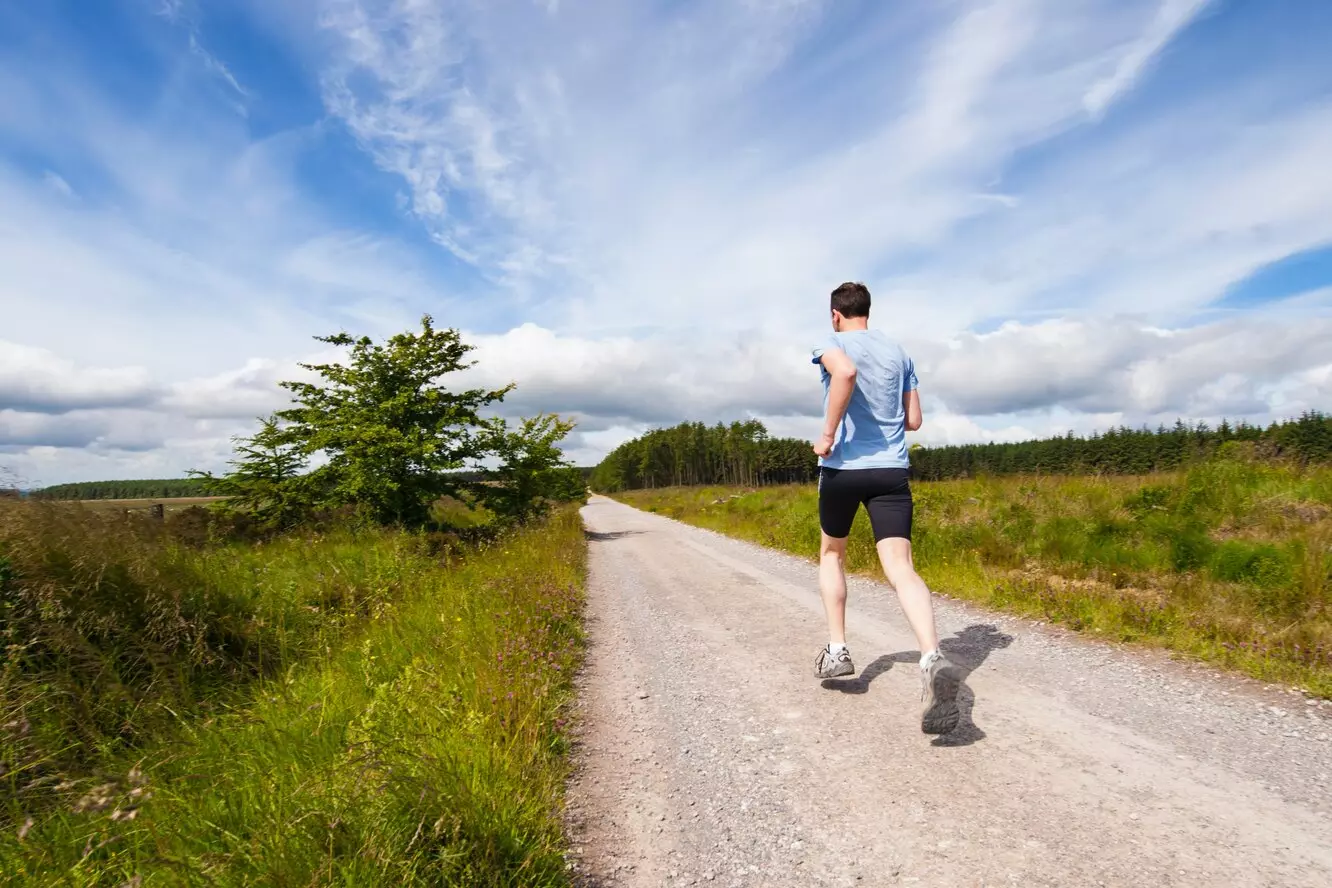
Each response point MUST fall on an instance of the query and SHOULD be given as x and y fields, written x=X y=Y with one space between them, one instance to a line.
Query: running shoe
x=939 y=680
x=830 y=665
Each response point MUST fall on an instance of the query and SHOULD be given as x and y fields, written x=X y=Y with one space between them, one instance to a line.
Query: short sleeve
x=909 y=381
x=830 y=342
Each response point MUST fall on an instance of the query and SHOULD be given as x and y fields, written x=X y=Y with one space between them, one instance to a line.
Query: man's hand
x=824 y=445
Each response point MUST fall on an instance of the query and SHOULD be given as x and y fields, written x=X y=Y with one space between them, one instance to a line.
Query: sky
x=1074 y=214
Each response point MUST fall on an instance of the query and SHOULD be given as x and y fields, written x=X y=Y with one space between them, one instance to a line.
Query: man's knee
x=832 y=547
x=895 y=553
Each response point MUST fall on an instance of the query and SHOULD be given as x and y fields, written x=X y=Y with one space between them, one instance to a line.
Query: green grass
x=1229 y=562
x=333 y=709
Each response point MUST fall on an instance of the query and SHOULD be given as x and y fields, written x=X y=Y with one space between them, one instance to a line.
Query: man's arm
x=911 y=405
x=843 y=382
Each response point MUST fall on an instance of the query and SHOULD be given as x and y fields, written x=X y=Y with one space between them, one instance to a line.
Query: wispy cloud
x=215 y=65
x=1172 y=16
x=57 y=182
x=639 y=166
x=185 y=15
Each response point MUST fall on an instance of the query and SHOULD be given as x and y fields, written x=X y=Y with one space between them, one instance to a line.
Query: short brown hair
x=852 y=300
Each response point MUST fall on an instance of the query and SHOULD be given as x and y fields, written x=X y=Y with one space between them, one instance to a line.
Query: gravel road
x=709 y=754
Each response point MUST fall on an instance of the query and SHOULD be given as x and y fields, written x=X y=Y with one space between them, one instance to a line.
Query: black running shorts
x=885 y=493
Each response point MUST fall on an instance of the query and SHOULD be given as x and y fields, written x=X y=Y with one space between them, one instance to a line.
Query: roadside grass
x=341 y=708
x=1229 y=562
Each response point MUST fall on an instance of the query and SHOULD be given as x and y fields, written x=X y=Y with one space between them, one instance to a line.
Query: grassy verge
x=339 y=709
x=1230 y=561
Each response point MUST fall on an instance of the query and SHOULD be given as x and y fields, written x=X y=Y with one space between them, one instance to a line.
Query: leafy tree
x=389 y=439
x=533 y=473
x=390 y=433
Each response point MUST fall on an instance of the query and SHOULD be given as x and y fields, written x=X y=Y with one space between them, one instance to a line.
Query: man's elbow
x=914 y=423
x=846 y=374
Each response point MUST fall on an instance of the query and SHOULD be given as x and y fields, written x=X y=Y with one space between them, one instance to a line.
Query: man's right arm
x=911 y=406
x=911 y=397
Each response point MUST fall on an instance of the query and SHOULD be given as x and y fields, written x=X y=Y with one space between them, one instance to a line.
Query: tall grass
x=336 y=709
x=1229 y=561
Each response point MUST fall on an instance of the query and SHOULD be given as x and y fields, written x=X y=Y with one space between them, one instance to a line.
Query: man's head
x=850 y=306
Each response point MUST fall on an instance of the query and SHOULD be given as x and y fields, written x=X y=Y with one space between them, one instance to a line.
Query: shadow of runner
x=969 y=649
x=599 y=537
x=860 y=683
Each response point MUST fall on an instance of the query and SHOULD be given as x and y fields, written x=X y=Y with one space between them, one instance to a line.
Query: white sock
x=836 y=647
x=926 y=657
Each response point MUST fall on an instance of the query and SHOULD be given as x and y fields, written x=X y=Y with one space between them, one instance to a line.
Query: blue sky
x=1074 y=213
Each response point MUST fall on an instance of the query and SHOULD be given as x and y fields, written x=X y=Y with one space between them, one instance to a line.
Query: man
x=870 y=403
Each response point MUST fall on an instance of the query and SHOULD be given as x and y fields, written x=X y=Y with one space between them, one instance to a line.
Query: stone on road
x=709 y=753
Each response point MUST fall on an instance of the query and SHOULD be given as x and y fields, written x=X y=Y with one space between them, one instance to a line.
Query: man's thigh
x=839 y=501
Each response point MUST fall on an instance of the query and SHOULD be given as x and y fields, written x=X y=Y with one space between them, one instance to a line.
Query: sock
x=926 y=657
x=836 y=647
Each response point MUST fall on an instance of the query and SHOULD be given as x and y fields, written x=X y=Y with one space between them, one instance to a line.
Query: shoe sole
x=941 y=714
x=838 y=671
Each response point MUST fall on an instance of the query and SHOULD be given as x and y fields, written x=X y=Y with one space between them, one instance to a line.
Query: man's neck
x=850 y=325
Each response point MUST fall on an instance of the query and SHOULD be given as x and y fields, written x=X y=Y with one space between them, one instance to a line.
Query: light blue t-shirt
x=873 y=432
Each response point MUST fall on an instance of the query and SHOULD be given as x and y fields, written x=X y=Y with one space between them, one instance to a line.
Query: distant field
x=1230 y=561
x=171 y=504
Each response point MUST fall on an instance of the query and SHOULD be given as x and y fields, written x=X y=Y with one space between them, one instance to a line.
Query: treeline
x=694 y=453
x=1125 y=451
x=743 y=454
x=161 y=488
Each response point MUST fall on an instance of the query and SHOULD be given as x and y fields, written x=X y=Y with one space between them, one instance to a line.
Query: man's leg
x=890 y=515
x=912 y=593
x=939 y=678
x=832 y=585
x=837 y=512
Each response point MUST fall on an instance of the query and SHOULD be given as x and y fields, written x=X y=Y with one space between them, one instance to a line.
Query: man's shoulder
x=886 y=341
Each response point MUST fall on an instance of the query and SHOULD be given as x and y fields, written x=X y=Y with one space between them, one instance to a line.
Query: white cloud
x=1020 y=381
x=39 y=381
x=215 y=65
x=185 y=16
x=1121 y=366
x=58 y=183
x=1172 y=16
x=623 y=170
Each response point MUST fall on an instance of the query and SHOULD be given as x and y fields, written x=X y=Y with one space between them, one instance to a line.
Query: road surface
x=710 y=754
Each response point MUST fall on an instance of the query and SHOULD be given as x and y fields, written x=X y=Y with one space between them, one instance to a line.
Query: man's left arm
x=842 y=372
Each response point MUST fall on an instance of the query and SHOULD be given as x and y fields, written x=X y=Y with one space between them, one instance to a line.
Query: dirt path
x=711 y=754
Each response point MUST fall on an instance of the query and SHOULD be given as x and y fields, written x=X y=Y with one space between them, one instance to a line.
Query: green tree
x=533 y=473
x=390 y=433
x=266 y=479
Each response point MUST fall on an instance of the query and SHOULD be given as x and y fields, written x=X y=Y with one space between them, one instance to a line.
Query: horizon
x=1074 y=216
x=1162 y=428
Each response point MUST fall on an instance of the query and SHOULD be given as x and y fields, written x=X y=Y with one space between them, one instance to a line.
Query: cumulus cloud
x=36 y=380
x=1119 y=365
x=120 y=430
x=1019 y=381
x=246 y=393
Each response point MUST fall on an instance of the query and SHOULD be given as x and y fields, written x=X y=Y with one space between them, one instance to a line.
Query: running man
x=870 y=403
